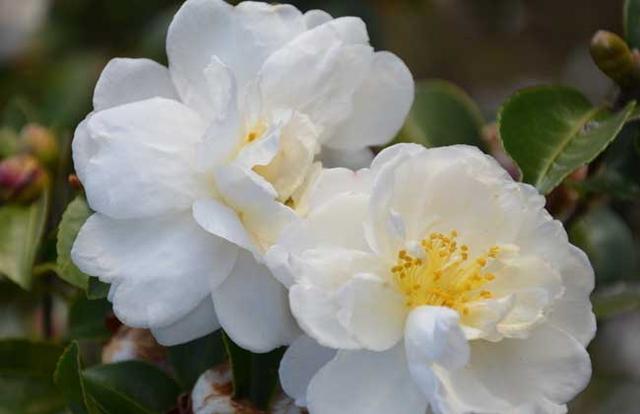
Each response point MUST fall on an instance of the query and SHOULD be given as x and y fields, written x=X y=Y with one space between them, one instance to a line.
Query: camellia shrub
x=281 y=219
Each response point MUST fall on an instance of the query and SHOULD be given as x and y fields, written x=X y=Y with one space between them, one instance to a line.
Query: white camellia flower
x=433 y=279
x=192 y=170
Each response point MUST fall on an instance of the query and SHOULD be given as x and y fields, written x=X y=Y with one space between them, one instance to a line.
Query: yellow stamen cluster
x=443 y=275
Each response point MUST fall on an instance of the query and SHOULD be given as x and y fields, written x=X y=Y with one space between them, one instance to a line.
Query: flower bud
x=613 y=56
x=40 y=142
x=133 y=344
x=22 y=179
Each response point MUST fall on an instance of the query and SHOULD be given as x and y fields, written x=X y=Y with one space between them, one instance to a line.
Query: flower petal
x=199 y=322
x=220 y=220
x=241 y=37
x=300 y=362
x=139 y=159
x=316 y=312
x=533 y=375
x=433 y=336
x=314 y=18
x=130 y=80
x=318 y=72
x=252 y=307
x=380 y=104
x=160 y=268
x=255 y=201
x=365 y=382
x=373 y=311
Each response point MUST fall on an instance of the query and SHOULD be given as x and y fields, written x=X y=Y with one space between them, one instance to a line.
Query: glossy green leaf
x=75 y=215
x=21 y=230
x=131 y=387
x=255 y=376
x=608 y=242
x=190 y=360
x=87 y=318
x=443 y=114
x=26 y=377
x=68 y=378
x=551 y=131
x=632 y=23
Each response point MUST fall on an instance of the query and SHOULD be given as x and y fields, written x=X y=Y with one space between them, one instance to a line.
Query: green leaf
x=631 y=22
x=190 y=360
x=69 y=380
x=608 y=242
x=131 y=387
x=443 y=114
x=21 y=230
x=75 y=215
x=255 y=376
x=87 y=318
x=26 y=377
x=620 y=299
x=97 y=289
x=550 y=131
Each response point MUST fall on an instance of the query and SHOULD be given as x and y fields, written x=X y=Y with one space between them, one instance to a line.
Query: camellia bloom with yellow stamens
x=433 y=281
x=193 y=170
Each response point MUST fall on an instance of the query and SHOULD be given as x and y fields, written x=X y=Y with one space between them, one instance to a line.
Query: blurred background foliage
x=472 y=54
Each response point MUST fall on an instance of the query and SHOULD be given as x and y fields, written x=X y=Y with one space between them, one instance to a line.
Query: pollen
x=444 y=275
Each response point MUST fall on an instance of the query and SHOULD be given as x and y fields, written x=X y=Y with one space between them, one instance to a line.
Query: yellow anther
x=442 y=274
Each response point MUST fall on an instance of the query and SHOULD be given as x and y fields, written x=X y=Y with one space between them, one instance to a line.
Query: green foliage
x=22 y=231
x=75 y=215
x=130 y=387
x=632 y=22
x=551 y=131
x=97 y=289
x=443 y=114
x=126 y=387
x=87 y=318
x=68 y=378
x=192 y=359
x=255 y=376
x=26 y=370
x=608 y=242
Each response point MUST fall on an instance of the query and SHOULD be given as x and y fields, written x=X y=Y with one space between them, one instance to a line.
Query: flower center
x=442 y=274
x=254 y=133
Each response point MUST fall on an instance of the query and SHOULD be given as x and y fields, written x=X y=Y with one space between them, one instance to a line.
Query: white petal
x=82 y=148
x=534 y=375
x=129 y=80
x=314 y=18
x=299 y=364
x=433 y=336
x=199 y=322
x=330 y=183
x=252 y=307
x=140 y=159
x=364 y=382
x=373 y=311
x=318 y=72
x=316 y=311
x=352 y=159
x=220 y=220
x=381 y=105
x=545 y=237
x=337 y=223
x=535 y=287
x=160 y=268
x=255 y=201
x=241 y=37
